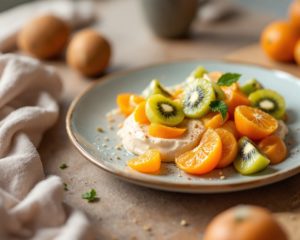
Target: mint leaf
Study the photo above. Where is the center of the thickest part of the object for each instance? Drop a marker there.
(228, 78)
(90, 196)
(219, 106)
(63, 166)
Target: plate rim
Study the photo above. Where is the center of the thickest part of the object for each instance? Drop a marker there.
(155, 183)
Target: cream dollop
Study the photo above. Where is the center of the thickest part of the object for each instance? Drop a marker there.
(135, 139)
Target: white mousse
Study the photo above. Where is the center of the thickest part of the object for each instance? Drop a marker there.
(135, 139)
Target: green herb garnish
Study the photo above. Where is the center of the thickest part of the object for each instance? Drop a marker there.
(66, 187)
(219, 106)
(90, 196)
(228, 78)
(63, 166)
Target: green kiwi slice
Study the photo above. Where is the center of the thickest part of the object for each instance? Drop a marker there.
(155, 87)
(251, 86)
(160, 109)
(268, 101)
(249, 160)
(220, 95)
(196, 98)
(197, 73)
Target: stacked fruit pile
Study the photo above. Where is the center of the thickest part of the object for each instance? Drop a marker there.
(280, 39)
(241, 122)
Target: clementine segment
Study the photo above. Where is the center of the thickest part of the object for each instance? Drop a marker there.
(162, 131)
(229, 147)
(254, 123)
(213, 120)
(140, 114)
(127, 102)
(214, 76)
(205, 157)
(274, 148)
(230, 126)
(149, 162)
(278, 41)
(235, 97)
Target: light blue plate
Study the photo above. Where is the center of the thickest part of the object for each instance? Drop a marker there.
(88, 111)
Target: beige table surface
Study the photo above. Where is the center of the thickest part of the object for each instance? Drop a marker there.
(124, 210)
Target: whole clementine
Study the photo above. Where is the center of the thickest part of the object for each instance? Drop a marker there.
(294, 15)
(297, 52)
(278, 41)
(245, 222)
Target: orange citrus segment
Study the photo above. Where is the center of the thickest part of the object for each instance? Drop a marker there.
(229, 147)
(274, 148)
(135, 100)
(162, 131)
(177, 93)
(149, 162)
(205, 157)
(213, 120)
(127, 102)
(254, 123)
(214, 76)
(230, 126)
(234, 98)
(140, 114)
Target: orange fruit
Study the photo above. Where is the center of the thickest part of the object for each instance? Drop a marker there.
(213, 120)
(297, 52)
(274, 148)
(162, 131)
(203, 158)
(254, 123)
(177, 93)
(127, 102)
(294, 15)
(214, 76)
(278, 40)
(230, 126)
(235, 97)
(149, 162)
(140, 114)
(245, 222)
(229, 147)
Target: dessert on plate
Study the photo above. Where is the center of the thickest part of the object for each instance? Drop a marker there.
(208, 121)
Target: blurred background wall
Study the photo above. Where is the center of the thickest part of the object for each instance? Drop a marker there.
(273, 7)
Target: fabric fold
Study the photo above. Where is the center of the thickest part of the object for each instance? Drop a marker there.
(31, 207)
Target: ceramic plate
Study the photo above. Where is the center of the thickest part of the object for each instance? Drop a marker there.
(88, 112)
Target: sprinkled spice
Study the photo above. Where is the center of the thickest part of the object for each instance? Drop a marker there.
(147, 228)
(63, 166)
(99, 129)
(183, 223)
(118, 147)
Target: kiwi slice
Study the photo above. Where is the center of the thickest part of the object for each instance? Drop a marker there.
(196, 98)
(160, 109)
(251, 86)
(155, 87)
(218, 91)
(269, 101)
(249, 160)
(197, 73)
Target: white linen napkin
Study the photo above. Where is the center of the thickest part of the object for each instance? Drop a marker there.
(30, 204)
(76, 13)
